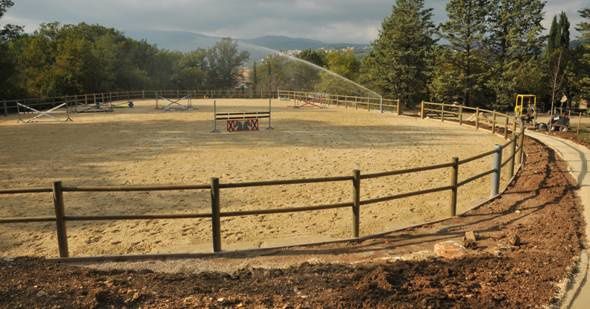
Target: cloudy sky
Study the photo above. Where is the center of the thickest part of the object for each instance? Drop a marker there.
(354, 21)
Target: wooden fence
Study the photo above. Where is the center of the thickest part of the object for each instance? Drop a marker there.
(215, 187)
(10, 106)
(356, 102)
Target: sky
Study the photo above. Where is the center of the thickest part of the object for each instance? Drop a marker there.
(350, 21)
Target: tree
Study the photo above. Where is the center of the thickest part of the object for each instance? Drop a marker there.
(583, 75)
(316, 57)
(224, 60)
(514, 41)
(465, 31)
(400, 62)
(191, 71)
(8, 63)
(344, 63)
(254, 78)
(558, 55)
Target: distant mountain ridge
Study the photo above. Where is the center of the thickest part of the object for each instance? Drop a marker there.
(288, 43)
(186, 41)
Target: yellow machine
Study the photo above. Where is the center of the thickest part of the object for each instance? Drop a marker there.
(529, 102)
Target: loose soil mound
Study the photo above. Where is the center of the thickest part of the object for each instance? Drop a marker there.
(541, 208)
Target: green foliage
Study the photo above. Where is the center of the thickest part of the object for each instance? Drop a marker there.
(583, 59)
(559, 57)
(285, 74)
(400, 62)
(317, 57)
(513, 43)
(465, 31)
(67, 59)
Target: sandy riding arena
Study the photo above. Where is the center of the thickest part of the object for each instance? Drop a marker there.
(144, 146)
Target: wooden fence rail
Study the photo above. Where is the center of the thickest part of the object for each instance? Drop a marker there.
(516, 144)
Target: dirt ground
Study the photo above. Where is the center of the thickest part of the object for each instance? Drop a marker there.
(540, 208)
(143, 146)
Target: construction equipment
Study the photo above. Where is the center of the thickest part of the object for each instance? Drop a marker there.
(525, 107)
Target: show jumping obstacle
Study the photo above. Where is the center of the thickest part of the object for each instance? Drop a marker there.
(175, 104)
(241, 121)
(40, 116)
(309, 101)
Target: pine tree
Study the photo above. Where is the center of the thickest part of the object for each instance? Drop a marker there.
(553, 37)
(465, 31)
(514, 45)
(400, 62)
(558, 54)
(254, 78)
(584, 70)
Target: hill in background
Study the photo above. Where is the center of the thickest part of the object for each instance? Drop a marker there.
(186, 41)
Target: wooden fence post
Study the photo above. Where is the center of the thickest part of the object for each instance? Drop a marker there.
(58, 203)
(442, 112)
(521, 155)
(356, 208)
(454, 179)
(497, 166)
(461, 115)
(513, 155)
(477, 118)
(399, 108)
(215, 215)
(493, 122)
(577, 129)
(506, 128)
(514, 126)
(422, 109)
(5, 106)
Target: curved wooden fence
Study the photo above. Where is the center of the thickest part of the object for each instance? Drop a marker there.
(432, 110)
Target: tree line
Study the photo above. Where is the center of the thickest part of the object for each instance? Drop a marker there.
(72, 59)
(483, 55)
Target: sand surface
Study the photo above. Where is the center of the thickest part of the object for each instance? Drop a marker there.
(144, 146)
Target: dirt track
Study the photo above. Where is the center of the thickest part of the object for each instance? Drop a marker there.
(541, 208)
(143, 146)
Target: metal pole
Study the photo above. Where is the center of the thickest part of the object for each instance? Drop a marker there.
(356, 199)
(58, 203)
(497, 166)
(454, 179)
(214, 116)
(269, 113)
(215, 215)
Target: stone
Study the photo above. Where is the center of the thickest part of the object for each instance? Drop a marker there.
(514, 240)
(41, 294)
(470, 240)
(449, 250)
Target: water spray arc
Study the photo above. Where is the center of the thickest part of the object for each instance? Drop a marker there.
(274, 51)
